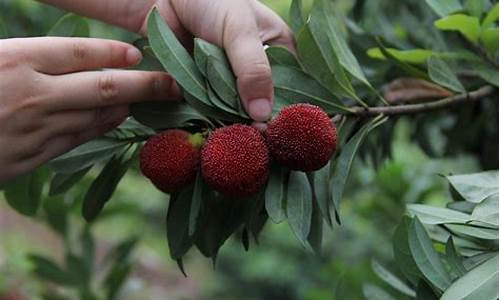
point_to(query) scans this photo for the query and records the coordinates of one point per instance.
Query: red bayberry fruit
(170, 159)
(302, 137)
(235, 160)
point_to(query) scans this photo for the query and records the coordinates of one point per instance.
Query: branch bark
(422, 107)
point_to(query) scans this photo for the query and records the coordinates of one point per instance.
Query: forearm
(129, 14)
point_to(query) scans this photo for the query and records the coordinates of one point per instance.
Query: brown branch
(421, 107)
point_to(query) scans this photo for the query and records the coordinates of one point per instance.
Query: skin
(65, 98)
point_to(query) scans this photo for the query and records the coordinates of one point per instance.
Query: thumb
(251, 67)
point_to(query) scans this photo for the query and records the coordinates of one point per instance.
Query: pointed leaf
(474, 231)
(62, 182)
(315, 236)
(453, 259)
(437, 215)
(445, 7)
(24, 193)
(196, 202)
(296, 17)
(162, 115)
(487, 211)
(443, 75)
(275, 194)
(479, 283)
(87, 155)
(299, 205)
(322, 192)
(174, 57)
(179, 210)
(279, 55)
(425, 257)
(297, 86)
(468, 26)
(475, 187)
(342, 164)
(402, 253)
(392, 279)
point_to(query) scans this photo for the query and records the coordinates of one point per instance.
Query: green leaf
(48, 270)
(299, 205)
(445, 7)
(413, 56)
(178, 215)
(487, 211)
(297, 86)
(342, 164)
(474, 231)
(56, 211)
(105, 185)
(315, 236)
(479, 283)
(115, 279)
(87, 155)
(70, 25)
(218, 103)
(279, 55)
(24, 193)
(196, 202)
(425, 257)
(321, 179)
(409, 69)
(476, 7)
(424, 291)
(474, 261)
(442, 74)
(163, 115)
(319, 59)
(487, 73)
(77, 270)
(489, 38)
(62, 182)
(204, 50)
(88, 247)
(402, 252)
(121, 252)
(475, 187)
(373, 292)
(296, 17)
(174, 57)
(468, 26)
(461, 206)
(491, 17)
(339, 44)
(275, 194)
(438, 215)
(222, 80)
(453, 259)
(392, 279)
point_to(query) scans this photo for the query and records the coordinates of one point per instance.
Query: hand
(241, 27)
(52, 101)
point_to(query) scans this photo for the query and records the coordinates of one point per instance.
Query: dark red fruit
(302, 137)
(235, 160)
(170, 159)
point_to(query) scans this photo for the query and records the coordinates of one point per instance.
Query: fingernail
(134, 56)
(260, 109)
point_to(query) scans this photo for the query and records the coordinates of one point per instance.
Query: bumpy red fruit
(235, 160)
(170, 159)
(302, 137)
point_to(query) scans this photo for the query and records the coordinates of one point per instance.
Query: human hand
(53, 99)
(241, 27)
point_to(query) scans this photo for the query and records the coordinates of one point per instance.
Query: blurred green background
(278, 268)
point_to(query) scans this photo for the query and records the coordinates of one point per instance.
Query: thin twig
(422, 107)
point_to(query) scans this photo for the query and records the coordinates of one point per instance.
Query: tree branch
(422, 107)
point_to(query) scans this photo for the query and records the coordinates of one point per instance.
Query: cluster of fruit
(235, 160)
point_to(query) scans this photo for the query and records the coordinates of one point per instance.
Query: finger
(249, 62)
(59, 145)
(73, 121)
(274, 31)
(56, 55)
(88, 90)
